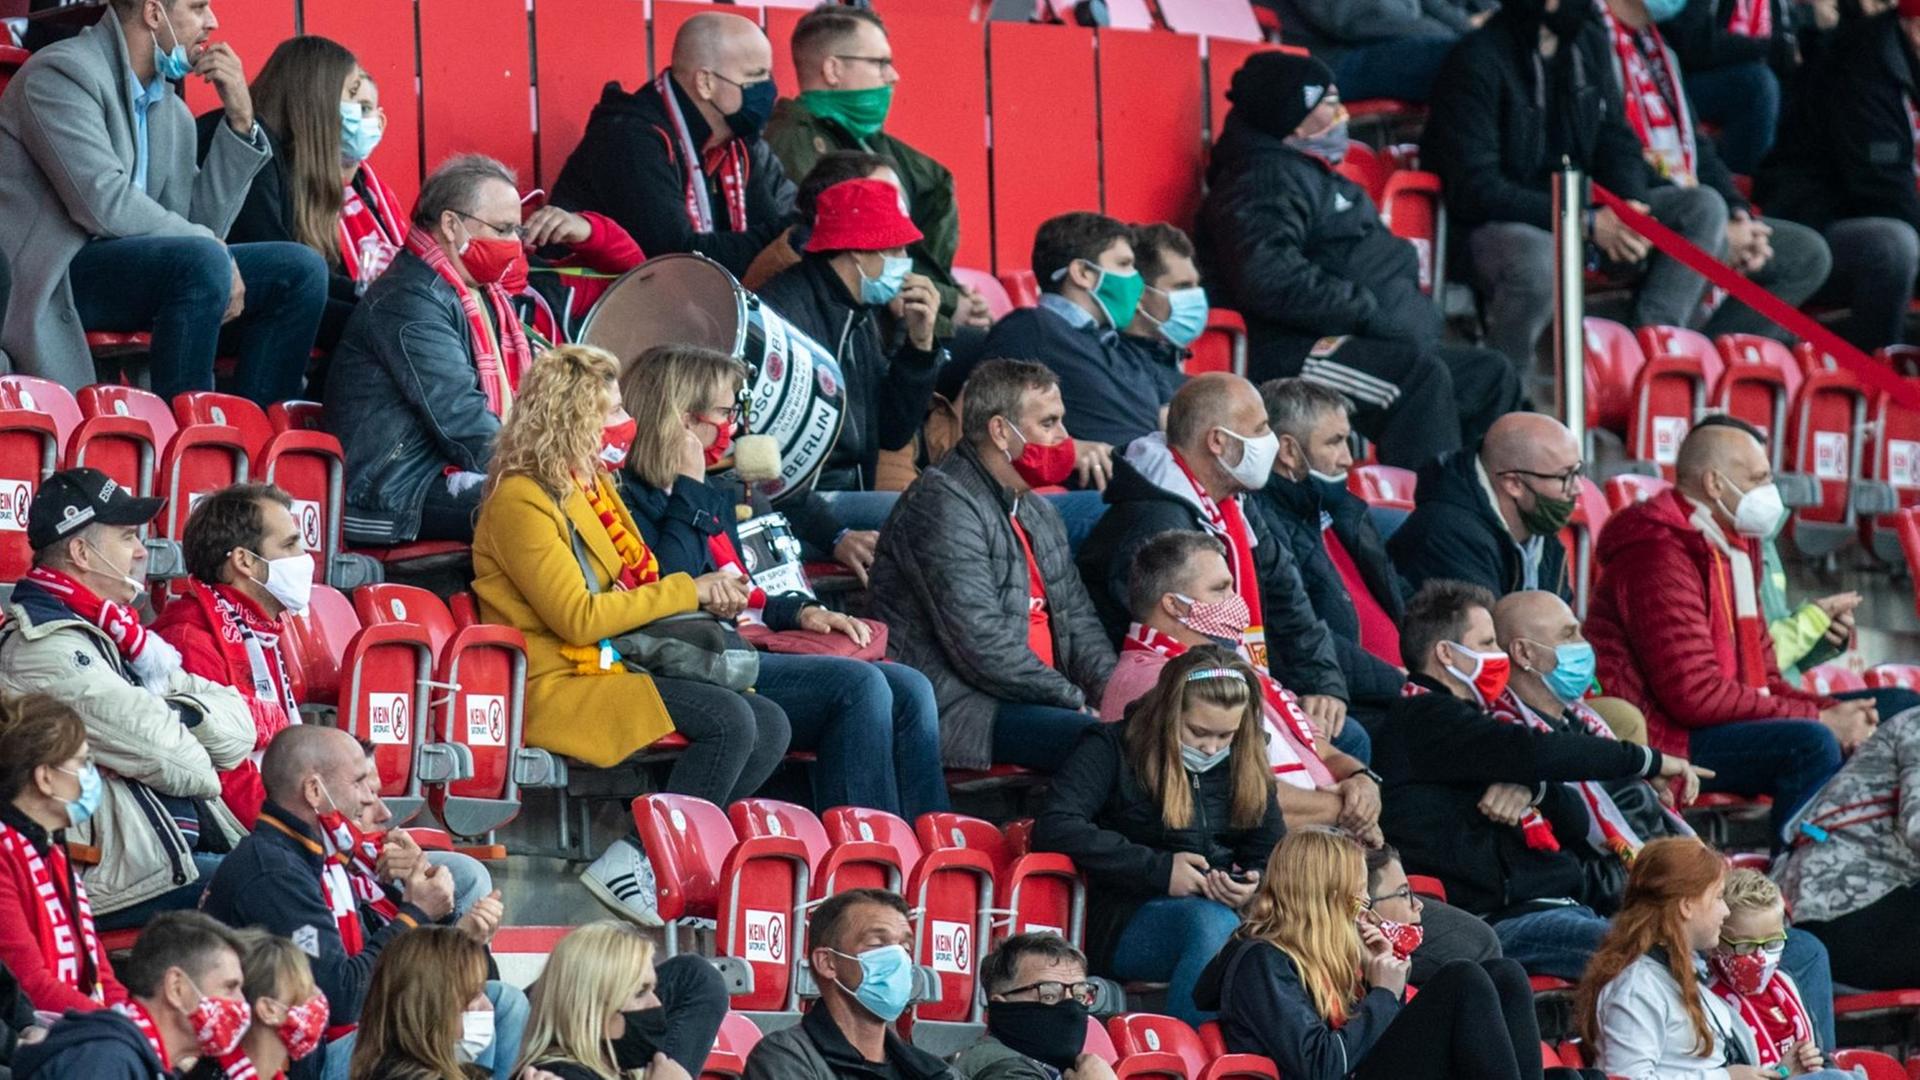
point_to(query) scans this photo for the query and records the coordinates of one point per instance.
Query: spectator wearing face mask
(977, 587)
(109, 225)
(186, 1001)
(48, 784)
(1037, 1001)
(679, 163)
(1173, 309)
(847, 85)
(287, 1013)
(429, 1017)
(1218, 448)
(1676, 622)
(602, 1008)
(161, 734)
(1746, 975)
(1329, 293)
(250, 568)
(859, 944)
(431, 360)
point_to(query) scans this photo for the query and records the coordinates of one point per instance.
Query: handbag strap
(580, 555)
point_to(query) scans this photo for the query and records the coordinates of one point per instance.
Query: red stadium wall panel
(252, 29)
(940, 106)
(1223, 59)
(779, 23)
(380, 33)
(579, 47)
(1044, 132)
(668, 15)
(476, 89)
(1150, 129)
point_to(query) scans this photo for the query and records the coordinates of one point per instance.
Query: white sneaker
(622, 879)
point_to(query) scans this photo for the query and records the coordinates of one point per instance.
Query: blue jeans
(1172, 940)
(1354, 741)
(471, 879)
(1744, 100)
(1401, 69)
(1079, 510)
(184, 898)
(1037, 737)
(875, 729)
(177, 287)
(1786, 759)
(510, 1012)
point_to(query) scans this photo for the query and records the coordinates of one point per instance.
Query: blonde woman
(1316, 986)
(1171, 815)
(551, 519)
(600, 1011)
(289, 1012)
(874, 727)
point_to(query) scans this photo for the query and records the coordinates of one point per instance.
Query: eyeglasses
(516, 230)
(884, 63)
(1404, 894)
(721, 414)
(1053, 993)
(1568, 480)
(1772, 946)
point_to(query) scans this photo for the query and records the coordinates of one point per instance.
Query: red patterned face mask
(1746, 974)
(305, 1024)
(1404, 937)
(615, 440)
(1222, 620)
(219, 1024)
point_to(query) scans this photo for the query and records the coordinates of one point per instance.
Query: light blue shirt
(1075, 315)
(143, 98)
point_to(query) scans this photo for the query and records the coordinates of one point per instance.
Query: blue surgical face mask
(173, 64)
(875, 291)
(82, 808)
(1186, 315)
(1199, 761)
(1572, 673)
(886, 980)
(1329, 145)
(1662, 10)
(359, 134)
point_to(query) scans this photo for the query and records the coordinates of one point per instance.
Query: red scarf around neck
(119, 622)
(1776, 1015)
(371, 231)
(1656, 107)
(68, 941)
(336, 885)
(729, 162)
(1228, 523)
(143, 1020)
(249, 643)
(1751, 18)
(501, 360)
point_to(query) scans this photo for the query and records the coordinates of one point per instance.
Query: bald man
(679, 163)
(1491, 516)
(1678, 629)
(1217, 447)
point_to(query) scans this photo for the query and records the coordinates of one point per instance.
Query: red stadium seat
(1668, 392)
(1427, 886)
(1034, 892)
(315, 642)
(112, 399)
(1822, 434)
(1756, 384)
(893, 839)
(1222, 346)
(1892, 458)
(998, 302)
(1386, 486)
(1021, 287)
(1832, 678)
(1876, 1065)
(836, 867)
(11, 57)
(1579, 537)
(1614, 361)
(1679, 341)
(296, 416)
(310, 466)
(1627, 489)
(35, 394)
(384, 694)
(1231, 20)
(1366, 168)
(1148, 1033)
(207, 407)
(579, 45)
(951, 894)
(109, 437)
(199, 460)
(736, 1040)
(1889, 675)
(1410, 204)
(29, 451)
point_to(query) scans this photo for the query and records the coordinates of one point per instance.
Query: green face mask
(1548, 516)
(861, 112)
(1118, 293)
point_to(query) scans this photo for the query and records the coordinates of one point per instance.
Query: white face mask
(476, 1033)
(290, 580)
(139, 585)
(1760, 510)
(1256, 458)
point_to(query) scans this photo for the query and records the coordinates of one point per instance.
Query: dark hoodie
(628, 166)
(1456, 533)
(1265, 1010)
(100, 1045)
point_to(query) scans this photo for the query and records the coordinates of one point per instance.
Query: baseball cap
(73, 499)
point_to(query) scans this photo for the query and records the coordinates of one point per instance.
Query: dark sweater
(1455, 533)
(1113, 391)
(1265, 1010)
(100, 1045)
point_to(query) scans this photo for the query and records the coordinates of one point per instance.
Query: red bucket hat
(861, 215)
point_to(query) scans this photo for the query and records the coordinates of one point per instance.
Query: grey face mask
(1199, 761)
(1330, 145)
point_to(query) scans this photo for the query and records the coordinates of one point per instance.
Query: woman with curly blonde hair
(557, 556)
(1312, 982)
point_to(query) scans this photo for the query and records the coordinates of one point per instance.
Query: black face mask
(756, 106)
(634, 1049)
(1054, 1034)
(1570, 18)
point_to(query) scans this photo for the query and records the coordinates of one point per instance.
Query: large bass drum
(795, 390)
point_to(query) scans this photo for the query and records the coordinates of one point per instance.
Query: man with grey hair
(1491, 515)
(973, 576)
(680, 163)
(109, 224)
(430, 360)
(1037, 1001)
(1343, 561)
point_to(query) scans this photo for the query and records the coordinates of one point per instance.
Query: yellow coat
(527, 577)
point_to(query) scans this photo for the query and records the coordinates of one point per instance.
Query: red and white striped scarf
(363, 869)
(238, 1066)
(1751, 18)
(1733, 594)
(336, 886)
(371, 232)
(250, 646)
(143, 1020)
(1656, 105)
(1534, 827)
(501, 359)
(68, 942)
(118, 621)
(1290, 749)
(1776, 1015)
(729, 160)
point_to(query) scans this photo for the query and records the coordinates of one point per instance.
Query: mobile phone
(1244, 877)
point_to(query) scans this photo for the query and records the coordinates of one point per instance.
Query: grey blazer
(66, 177)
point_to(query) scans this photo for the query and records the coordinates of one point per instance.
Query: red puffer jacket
(1662, 644)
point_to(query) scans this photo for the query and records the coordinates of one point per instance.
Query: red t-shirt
(1378, 635)
(1039, 626)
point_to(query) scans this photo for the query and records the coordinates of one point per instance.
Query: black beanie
(1274, 91)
